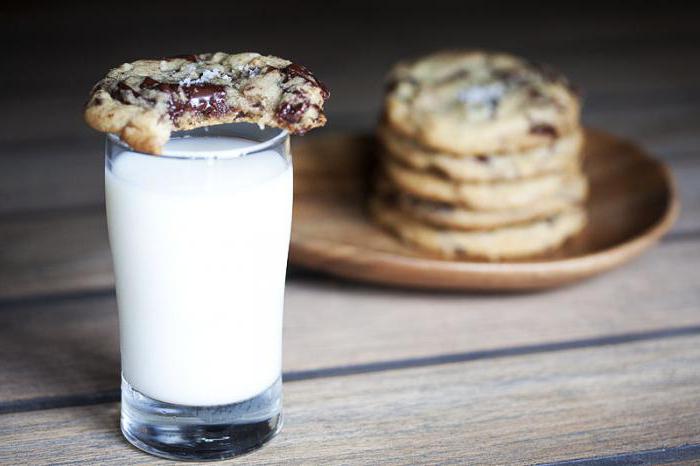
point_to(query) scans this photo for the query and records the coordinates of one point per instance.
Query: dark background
(637, 64)
(636, 328)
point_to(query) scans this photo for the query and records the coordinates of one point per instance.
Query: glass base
(200, 433)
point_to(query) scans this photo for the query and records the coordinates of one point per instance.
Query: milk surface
(200, 253)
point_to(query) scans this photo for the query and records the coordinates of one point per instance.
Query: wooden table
(607, 370)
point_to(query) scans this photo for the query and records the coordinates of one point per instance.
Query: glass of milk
(199, 238)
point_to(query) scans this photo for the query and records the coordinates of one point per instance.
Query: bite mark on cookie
(189, 91)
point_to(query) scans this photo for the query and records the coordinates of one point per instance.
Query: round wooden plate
(633, 203)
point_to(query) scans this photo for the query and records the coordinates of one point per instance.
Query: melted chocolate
(210, 99)
(482, 159)
(150, 83)
(292, 113)
(122, 86)
(122, 91)
(206, 99)
(544, 129)
(295, 70)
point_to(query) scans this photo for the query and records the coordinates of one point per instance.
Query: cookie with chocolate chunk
(497, 195)
(516, 241)
(144, 101)
(476, 102)
(444, 215)
(562, 154)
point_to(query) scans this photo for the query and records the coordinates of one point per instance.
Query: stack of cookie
(481, 157)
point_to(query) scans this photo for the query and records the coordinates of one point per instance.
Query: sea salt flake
(479, 95)
(205, 77)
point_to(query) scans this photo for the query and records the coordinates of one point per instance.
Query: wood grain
(55, 252)
(633, 203)
(517, 410)
(58, 348)
(639, 71)
(66, 170)
(67, 250)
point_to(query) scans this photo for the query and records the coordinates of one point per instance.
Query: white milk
(200, 252)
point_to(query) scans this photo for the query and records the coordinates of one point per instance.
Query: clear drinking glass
(199, 238)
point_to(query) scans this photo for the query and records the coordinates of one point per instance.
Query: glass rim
(281, 135)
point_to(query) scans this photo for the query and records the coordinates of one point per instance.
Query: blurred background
(638, 65)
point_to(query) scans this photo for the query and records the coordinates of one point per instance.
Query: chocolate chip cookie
(477, 102)
(477, 196)
(516, 241)
(443, 215)
(563, 153)
(144, 101)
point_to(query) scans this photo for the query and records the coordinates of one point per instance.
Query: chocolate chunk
(122, 86)
(295, 70)
(482, 158)
(544, 129)
(292, 113)
(206, 98)
(150, 83)
(121, 92)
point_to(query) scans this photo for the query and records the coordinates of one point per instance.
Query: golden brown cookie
(478, 196)
(442, 215)
(145, 100)
(510, 242)
(478, 102)
(561, 154)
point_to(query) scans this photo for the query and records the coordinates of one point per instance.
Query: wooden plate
(633, 203)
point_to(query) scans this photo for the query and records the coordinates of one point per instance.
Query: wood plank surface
(520, 410)
(67, 347)
(67, 250)
(68, 173)
(606, 369)
(54, 253)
